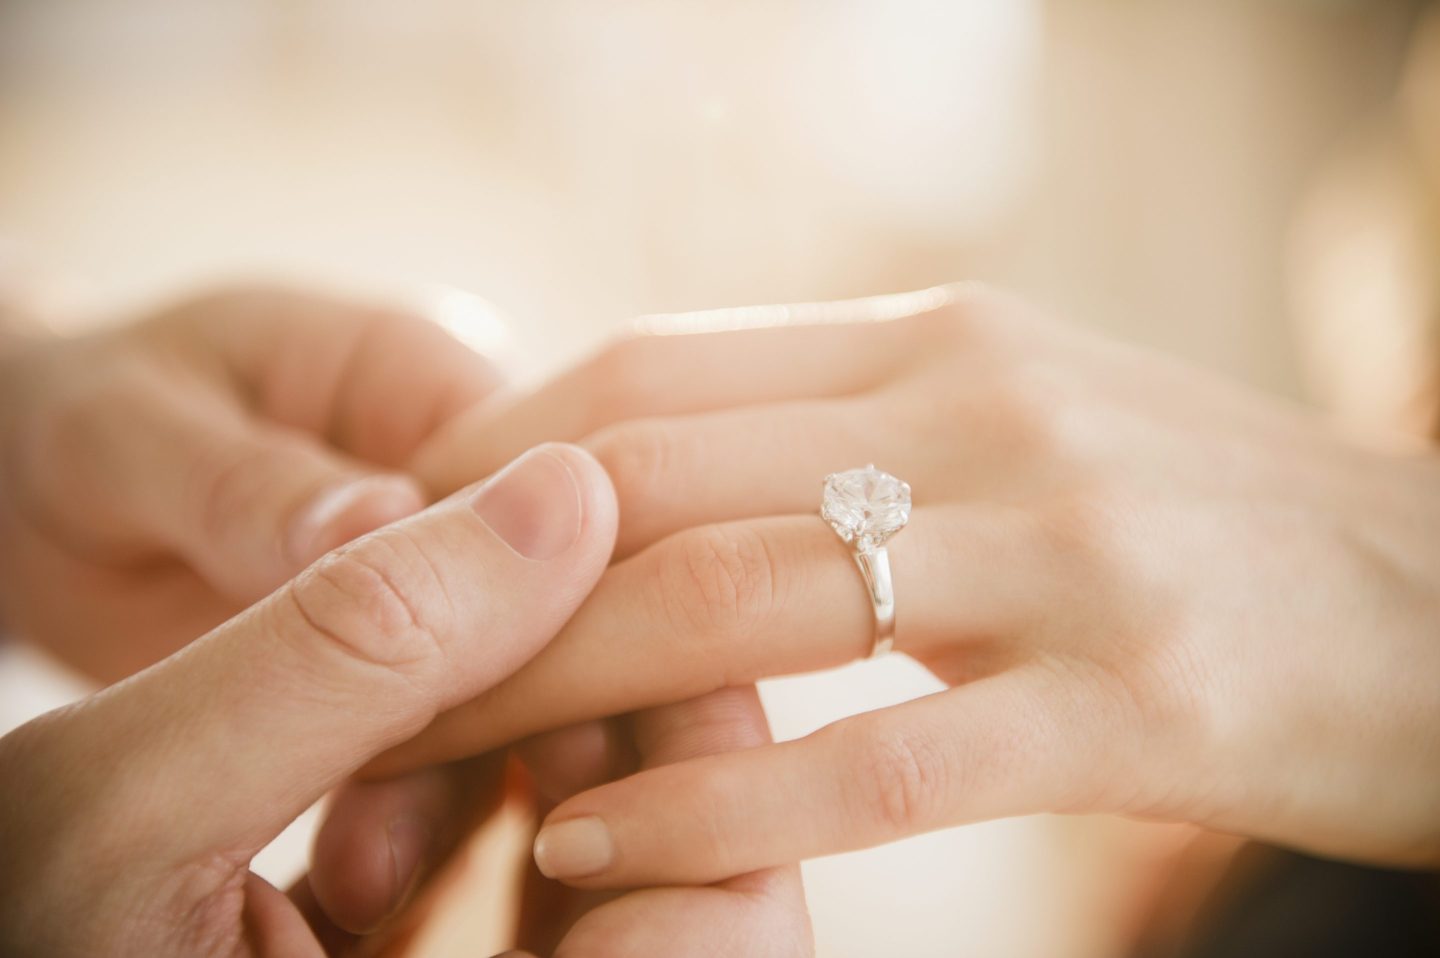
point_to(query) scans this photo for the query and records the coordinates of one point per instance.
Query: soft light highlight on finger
(657, 375)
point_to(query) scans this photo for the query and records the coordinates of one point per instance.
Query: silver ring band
(875, 568)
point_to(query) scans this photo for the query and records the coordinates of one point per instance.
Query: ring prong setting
(866, 507)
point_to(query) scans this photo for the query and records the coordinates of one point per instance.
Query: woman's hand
(1154, 594)
(157, 478)
(130, 818)
(759, 915)
(351, 885)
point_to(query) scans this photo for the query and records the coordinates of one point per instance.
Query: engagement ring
(866, 507)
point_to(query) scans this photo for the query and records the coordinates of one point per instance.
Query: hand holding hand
(761, 914)
(131, 817)
(159, 477)
(171, 471)
(1153, 594)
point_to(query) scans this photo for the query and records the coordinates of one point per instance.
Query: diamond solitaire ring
(866, 507)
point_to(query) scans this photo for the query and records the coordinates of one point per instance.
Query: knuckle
(949, 328)
(974, 317)
(386, 330)
(1041, 414)
(1089, 531)
(614, 380)
(722, 579)
(638, 456)
(901, 777)
(378, 603)
(225, 484)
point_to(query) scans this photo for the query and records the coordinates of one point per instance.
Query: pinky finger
(1013, 744)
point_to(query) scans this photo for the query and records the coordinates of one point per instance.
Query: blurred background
(1249, 184)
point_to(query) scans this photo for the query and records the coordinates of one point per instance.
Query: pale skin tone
(1152, 593)
(162, 476)
(144, 804)
(1113, 560)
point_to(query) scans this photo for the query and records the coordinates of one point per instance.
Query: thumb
(220, 746)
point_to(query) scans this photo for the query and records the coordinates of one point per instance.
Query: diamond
(865, 506)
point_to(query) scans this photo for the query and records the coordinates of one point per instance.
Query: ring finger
(728, 604)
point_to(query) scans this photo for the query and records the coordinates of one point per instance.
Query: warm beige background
(1136, 164)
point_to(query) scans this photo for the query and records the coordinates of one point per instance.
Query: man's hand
(157, 478)
(130, 819)
(759, 915)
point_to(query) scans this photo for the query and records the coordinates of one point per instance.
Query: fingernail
(409, 839)
(533, 504)
(574, 849)
(513, 954)
(314, 531)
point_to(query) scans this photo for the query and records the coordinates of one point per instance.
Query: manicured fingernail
(533, 504)
(324, 523)
(574, 849)
(409, 839)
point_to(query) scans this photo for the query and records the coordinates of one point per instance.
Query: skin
(1151, 592)
(105, 851)
(174, 470)
(761, 914)
(160, 477)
